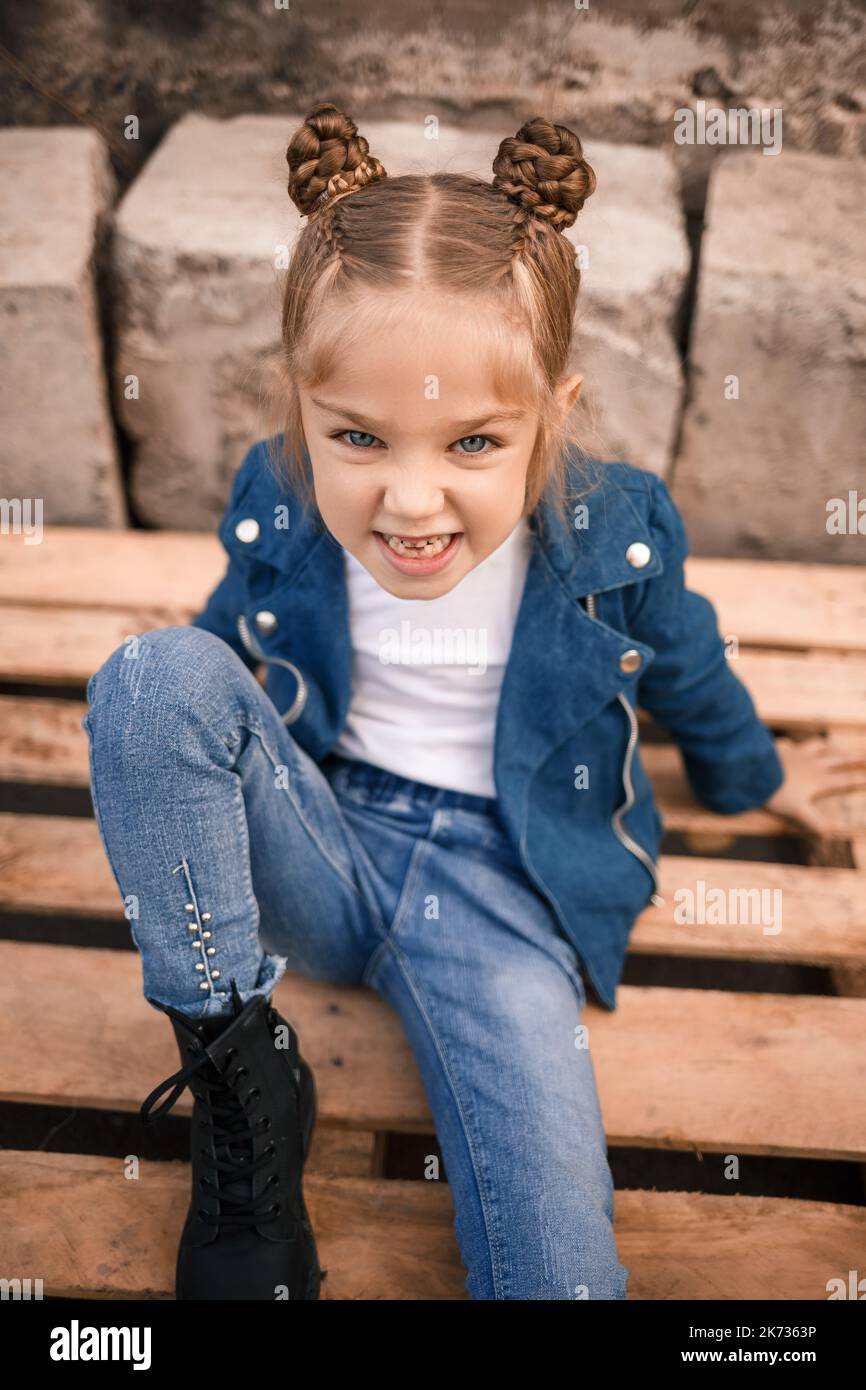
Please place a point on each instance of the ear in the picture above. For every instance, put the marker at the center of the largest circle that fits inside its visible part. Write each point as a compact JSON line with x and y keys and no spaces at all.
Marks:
{"x":568,"y":391}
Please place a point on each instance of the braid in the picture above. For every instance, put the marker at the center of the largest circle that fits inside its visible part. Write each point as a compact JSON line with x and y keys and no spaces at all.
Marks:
{"x":328,"y":159}
{"x":329,"y":234}
{"x":528,"y":230}
{"x":543,"y":171}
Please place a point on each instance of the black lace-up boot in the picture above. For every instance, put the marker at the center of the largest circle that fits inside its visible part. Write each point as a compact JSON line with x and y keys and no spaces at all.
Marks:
{"x":247,"y":1232}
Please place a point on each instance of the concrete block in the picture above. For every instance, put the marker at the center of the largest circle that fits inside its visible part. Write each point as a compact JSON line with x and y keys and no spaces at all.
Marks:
{"x":57,"y":439}
{"x":631,"y":298}
{"x":775,"y":423}
{"x":199,"y":297}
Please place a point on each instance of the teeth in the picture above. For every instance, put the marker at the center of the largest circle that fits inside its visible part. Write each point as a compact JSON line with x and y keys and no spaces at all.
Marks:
{"x":431,"y":547}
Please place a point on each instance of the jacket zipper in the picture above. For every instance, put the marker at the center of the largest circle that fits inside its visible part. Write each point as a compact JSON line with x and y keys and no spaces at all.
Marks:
{"x":621,"y":833}
{"x":255,"y":650}
{"x":616,"y":820}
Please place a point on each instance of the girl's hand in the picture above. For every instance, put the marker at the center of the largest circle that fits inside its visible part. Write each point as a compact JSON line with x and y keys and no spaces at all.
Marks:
{"x":815,"y":768}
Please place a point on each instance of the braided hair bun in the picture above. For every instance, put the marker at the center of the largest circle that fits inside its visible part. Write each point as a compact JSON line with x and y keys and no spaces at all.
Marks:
{"x":543,"y":170}
{"x":327,"y":157}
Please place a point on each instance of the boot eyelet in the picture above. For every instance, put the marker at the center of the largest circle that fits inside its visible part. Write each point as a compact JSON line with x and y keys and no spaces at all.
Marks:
{"x":231,"y":1053}
{"x":254,"y":1092}
{"x":266,"y":1121}
{"x":276,"y":1208}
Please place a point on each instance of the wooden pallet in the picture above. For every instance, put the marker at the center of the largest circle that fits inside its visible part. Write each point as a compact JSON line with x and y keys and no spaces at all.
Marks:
{"x":701,"y":1070}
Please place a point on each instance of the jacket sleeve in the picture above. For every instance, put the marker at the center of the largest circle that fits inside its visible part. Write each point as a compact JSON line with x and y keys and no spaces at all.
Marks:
{"x":230,"y":597}
{"x":690,"y":688}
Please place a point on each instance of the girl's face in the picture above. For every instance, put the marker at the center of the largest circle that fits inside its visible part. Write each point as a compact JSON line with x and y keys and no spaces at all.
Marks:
{"x":408,"y":440}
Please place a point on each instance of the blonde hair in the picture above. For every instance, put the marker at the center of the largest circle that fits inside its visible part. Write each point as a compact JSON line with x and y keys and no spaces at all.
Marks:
{"x":497,"y":243}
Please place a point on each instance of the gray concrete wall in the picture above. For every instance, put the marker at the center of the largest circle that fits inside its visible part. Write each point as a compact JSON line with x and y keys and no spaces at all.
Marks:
{"x":707,"y":265}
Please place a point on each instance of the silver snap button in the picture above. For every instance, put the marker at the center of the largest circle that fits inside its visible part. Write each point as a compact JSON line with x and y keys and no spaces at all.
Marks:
{"x":638,"y":554}
{"x":266,"y":621}
{"x":247,"y":530}
{"x":629,"y":661}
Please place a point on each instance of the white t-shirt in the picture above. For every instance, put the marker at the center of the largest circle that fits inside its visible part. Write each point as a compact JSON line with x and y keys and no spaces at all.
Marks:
{"x":426,"y":673}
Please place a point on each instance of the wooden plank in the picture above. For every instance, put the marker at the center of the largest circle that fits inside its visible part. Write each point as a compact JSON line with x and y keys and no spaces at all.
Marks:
{"x":56,"y":864}
{"x":748,"y":910}
{"x":782,"y":603}
{"x":772,"y":603}
{"x":79,"y":1224}
{"x":42,"y":743}
{"x":682,"y":1245}
{"x":342,"y":1153}
{"x":717,"y":1064}
{"x":64,"y":646}
{"x":53,"y":864}
{"x":676,"y":1068}
{"x":681,"y":810}
{"x":793,"y":690}
{"x":83,"y":567}
{"x":852,"y":980}
{"x":807,"y":692}
{"x":89,"y":1233}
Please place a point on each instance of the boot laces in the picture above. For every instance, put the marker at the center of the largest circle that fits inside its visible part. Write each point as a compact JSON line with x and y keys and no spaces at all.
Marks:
{"x":232,"y":1137}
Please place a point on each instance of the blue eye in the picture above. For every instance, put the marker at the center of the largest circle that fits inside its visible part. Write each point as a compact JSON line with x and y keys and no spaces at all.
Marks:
{"x":476,"y":439}
{"x":470,"y":444}
{"x":358,"y":438}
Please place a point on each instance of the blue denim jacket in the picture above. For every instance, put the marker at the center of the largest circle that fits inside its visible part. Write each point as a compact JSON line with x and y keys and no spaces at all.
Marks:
{"x":605,"y":623}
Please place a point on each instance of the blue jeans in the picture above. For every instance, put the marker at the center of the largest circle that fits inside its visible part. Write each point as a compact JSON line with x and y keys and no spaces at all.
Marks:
{"x":213,"y":817}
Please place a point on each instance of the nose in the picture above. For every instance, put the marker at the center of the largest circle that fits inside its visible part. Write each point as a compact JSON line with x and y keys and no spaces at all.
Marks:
{"x":412,"y":496}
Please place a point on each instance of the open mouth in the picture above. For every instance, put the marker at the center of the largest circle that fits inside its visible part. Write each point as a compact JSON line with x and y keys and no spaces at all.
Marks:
{"x":419,"y":554}
{"x":422,"y":545}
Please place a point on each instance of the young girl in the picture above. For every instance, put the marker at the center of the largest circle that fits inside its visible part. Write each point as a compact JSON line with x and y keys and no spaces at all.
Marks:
{"x":439,"y":793}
